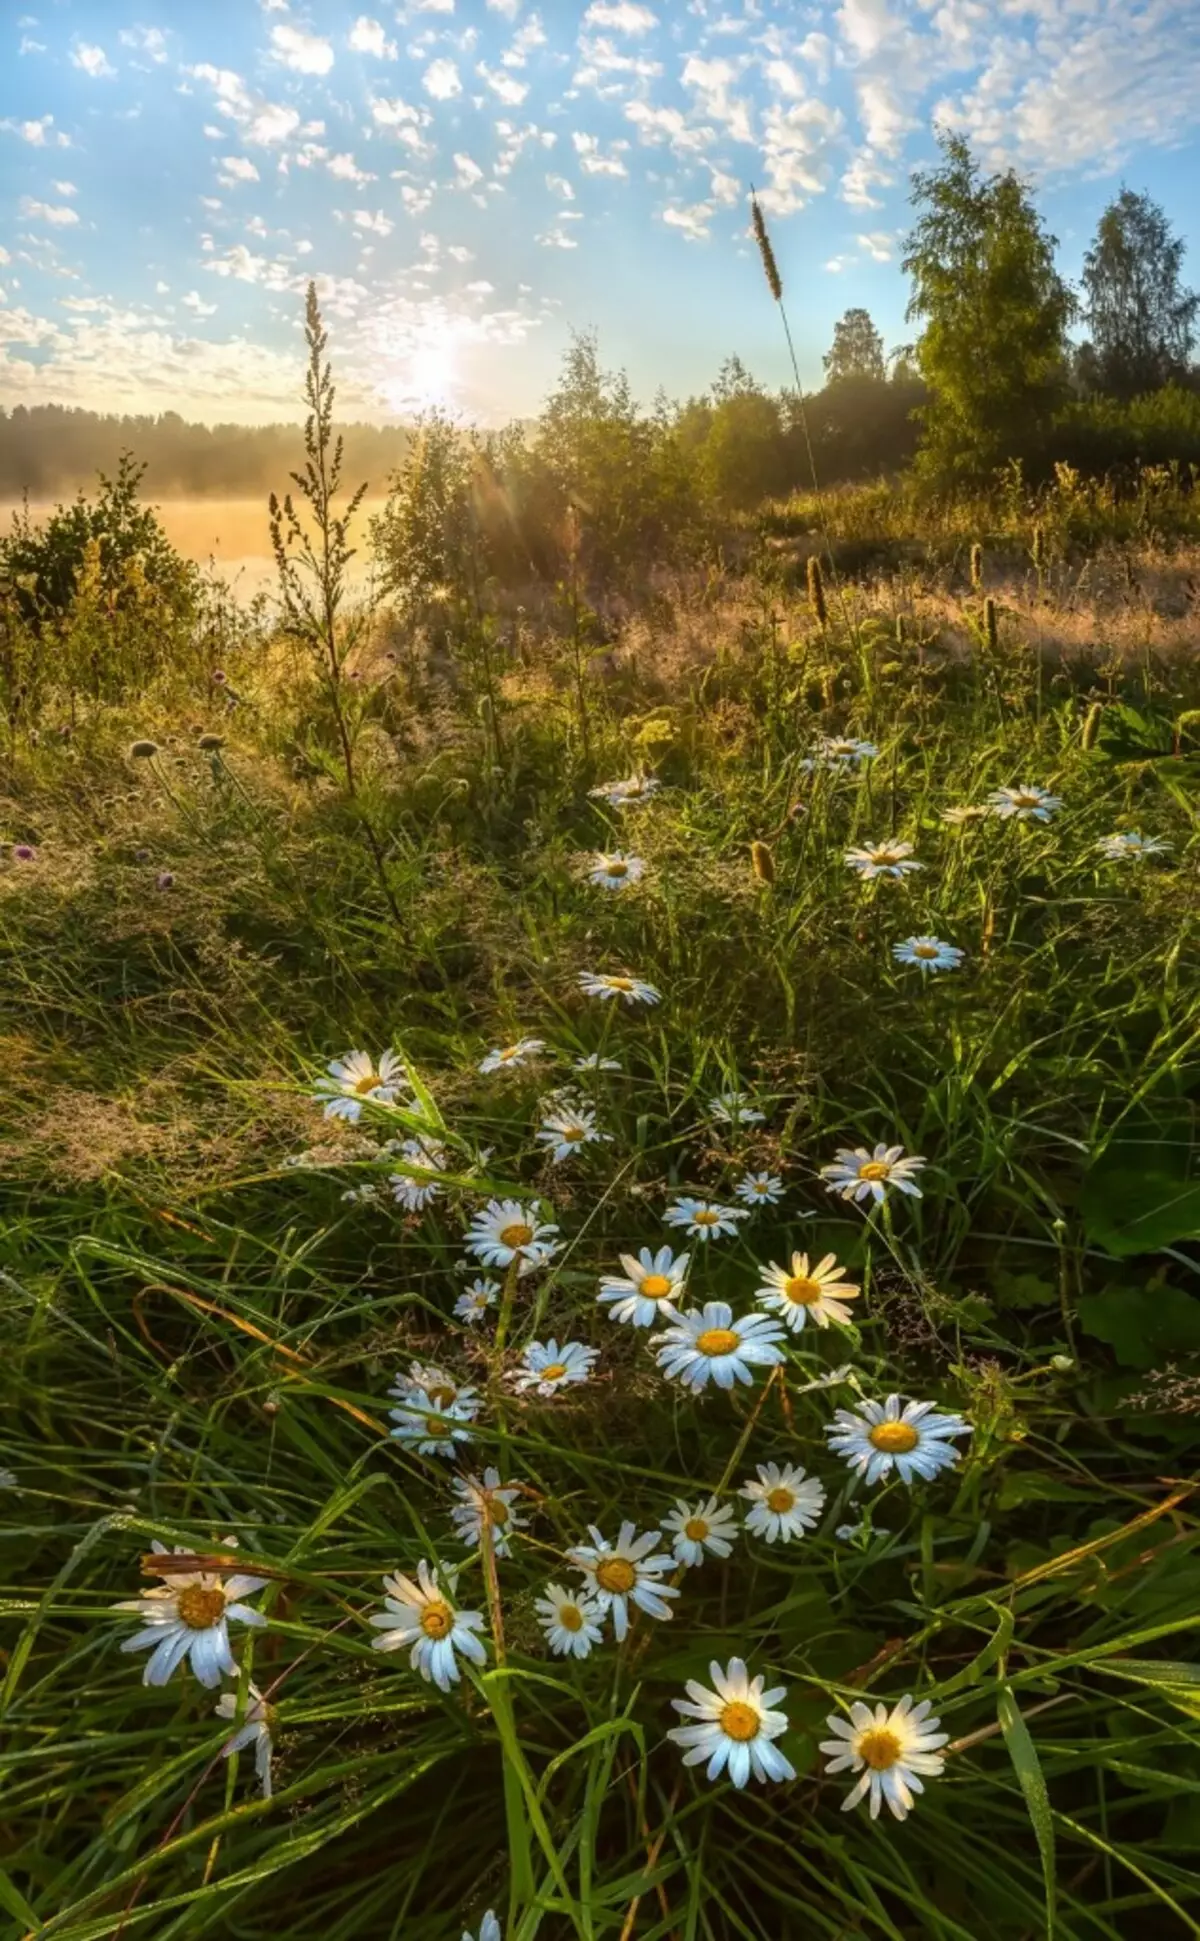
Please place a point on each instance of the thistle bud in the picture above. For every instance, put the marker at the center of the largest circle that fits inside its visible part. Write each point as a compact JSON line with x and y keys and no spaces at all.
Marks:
{"x":762,"y":862}
{"x":770,"y":267}
{"x":816,"y":589}
{"x":977,"y":567}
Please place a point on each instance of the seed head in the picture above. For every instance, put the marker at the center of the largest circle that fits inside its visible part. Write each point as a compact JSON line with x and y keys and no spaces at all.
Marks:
{"x":143,"y":751}
{"x":762,"y":862}
{"x":816,"y":589}
{"x":977,"y":567}
{"x":1091,"y":725}
{"x":991,"y":626}
{"x":211,"y":743}
{"x":770,"y":267}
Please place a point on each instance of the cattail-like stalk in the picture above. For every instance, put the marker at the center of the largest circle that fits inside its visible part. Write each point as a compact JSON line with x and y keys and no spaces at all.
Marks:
{"x":1091,"y":725}
{"x":816,"y":590}
{"x":770,"y":266}
{"x":977,"y":567}
{"x":991,"y":626}
{"x":762,"y":863}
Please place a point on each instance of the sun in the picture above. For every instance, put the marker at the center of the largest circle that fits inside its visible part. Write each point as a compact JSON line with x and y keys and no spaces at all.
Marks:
{"x":426,"y":378}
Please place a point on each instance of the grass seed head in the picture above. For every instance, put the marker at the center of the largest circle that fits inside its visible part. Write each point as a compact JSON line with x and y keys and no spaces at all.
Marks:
{"x":990,"y":624}
{"x":770,"y":267}
{"x":816,"y":589}
{"x":762,"y":862}
{"x":977,"y":567}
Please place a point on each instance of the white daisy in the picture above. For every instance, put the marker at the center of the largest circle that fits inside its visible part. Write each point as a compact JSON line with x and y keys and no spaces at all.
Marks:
{"x":734,"y":1108}
{"x":430,"y":1429}
{"x":424,"y":1616}
{"x":928,"y":954}
{"x":633,"y":990}
{"x":758,"y":1189}
{"x":786,"y":1502}
{"x":547,"y":1366}
{"x":736,"y":1726}
{"x":959,"y":818}
{"x":255,"y":1730}
{"x":1129,"y":845}
{"x":473,"y":1304}
{"x":504,"y":1056}
{"x":882,"y":859}
{"x":489,"y":1929}
{"x":625,"y":1571}
{"x":699,"y":1527}
{"x":1027,"y":803}
{"x":652,"y":1286}
{"x":437,"y":1385}
{"x":914,"y":1439}
{"x":625,"y":794}
{"x":892,"y":1750}
{"x":188,"y":1617}
{"x":571,"y":1622}
{"x":427,"y":1156}
{"x":486,"y":1502}
{"x":704,"y":1219}
{"x":845,"y":751}
{"x":615,"y":871}
{"x":565,"y":1132}
{"x":506,"y":1231}
{"x":803,"y":1293}
{"x":352,"y":1081}
{"x":863,"y":1175}
{"x":594,"y":1063}
{"x":712,"y":1346}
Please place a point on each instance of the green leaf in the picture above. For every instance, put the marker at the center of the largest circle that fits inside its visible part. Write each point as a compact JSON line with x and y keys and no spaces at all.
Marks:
{"x":1152,"y":1671}
{"x":1141,"y":1193}
{"x":1142,"y":1325}
{"x":14,"y":1903}
{"x":1028,"y":1768}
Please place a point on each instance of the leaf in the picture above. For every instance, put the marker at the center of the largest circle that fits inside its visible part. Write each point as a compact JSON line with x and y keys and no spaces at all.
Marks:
{"x":15,"y":1903}
{"x":1141,"y":1193}
{"x":1152,"y":1671}
{"x":1142,"y":1325}
{"x":1028,"y":1768}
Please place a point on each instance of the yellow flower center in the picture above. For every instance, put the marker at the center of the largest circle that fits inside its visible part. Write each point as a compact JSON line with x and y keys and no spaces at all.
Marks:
{"x":1025,"y":799}
{"x":571,"y":1133}
{"x":924,"y":950}
{"x":874,"y":1169}
{"x":616,"y":1574}
{"x":696,"y":1528}
{"x":894,"y":1438}
{"x":739,"y":1721}
{"x":619,"y":983}
{"x":515,"y":1235}
{"x":802,"y":1291}
{"x":437,"y":1619}
{"x":364,"y":1085}
{"x":570,"y":1617}
{"x":497,"y":1509}
{"x":655,"y":1287}
{"x":717,"y":1341}
{"x":615,"y":868}
{"x":553,"y":1371}
{"x":780,"y":1501}
{"x":442,"y":1395}
{"x":703,"y":1217}
{"x":200,"y":1606}
{"x":880,"y":1749}
{"x":508,"y":1052}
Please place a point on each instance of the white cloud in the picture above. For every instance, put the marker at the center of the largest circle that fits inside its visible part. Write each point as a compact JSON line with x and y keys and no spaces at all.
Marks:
{"x":66,"y":188}
{"x":237,"y":168}
{"x":878,"y":245}
{"x":195,"y":302}
{"x":394,"y":113}
{"x":863,"y":175}
{"x":272,"y":123}
{"x":480,"y":289}
{"x":837,"y":264}
{"x":592,"y":161}
{"x":431,"y":6}
{"x":531,"y":35}
{"x":509,"y":8}
{"x":344,"y":168}
{"x":510,"y":90}
{"x":377,"y":223}
{"x":557,"y":239}
{"x":61,"y":214}
{"x":602,"y":60}
{"x":460,"y":253}
{"x":441,"y":80}
{"x":692,"y":222}
{"x":304,"y":53}
{"x":150,"y":41}
{"x":559,"y":185}
{"x":31,"y":46}
{"x":797,"y":143}
{"x":671,"y":126}
{"x":467,"y":172}
{"x":368,"y":36}
{"x":243,"y":266}
{"x":711,"y":81}
{"x":92,"y":60}
{"x":162,"y":289}
{"x":623,"y":15}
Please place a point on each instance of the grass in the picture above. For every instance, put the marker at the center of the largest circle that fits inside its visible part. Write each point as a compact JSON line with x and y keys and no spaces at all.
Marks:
{"x":199,"y":1334}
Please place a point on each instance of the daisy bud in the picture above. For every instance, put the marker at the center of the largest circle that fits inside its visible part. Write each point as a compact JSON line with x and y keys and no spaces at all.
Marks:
{"x":762,"y":862}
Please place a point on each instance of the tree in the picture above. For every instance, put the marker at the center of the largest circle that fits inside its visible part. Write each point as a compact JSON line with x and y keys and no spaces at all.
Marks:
{"x":993,"y":351}
{"x":1142,"y":321}
{"x":856,"y":351}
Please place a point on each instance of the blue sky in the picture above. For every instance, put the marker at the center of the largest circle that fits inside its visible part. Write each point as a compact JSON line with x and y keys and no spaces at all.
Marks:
{"x":468,"y":180}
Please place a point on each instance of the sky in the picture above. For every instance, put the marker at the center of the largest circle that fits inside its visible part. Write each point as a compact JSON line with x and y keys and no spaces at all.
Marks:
{"x":469,"y":181}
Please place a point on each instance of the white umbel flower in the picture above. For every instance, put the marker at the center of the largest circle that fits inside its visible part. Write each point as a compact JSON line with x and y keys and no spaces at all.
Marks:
{"x":571,"y":1621}
{"x":711,"y":1346}
{"x":486,"y":1502}
{"x":188,"y":1618}
{"x":759,"y":1189}
{"x":735,"y":1109}
{"x":696,"y":1528}
{"x":615,"y":871}
{"x":625,"y":1572}
{"x":928,"y":954}
{"x":893,"y":1751}
{"x":547,"y":1367}
{"x":566,"y":1132}
{"x":703,"y":1219}
{"x":474,"y":1302}
{"x":426,"y":1155}
{"x":861,"y":1175}
{"x":653,"y":1285}
{"x":913,"y":1438}
{"x":803,"y":1293}
{"x":785,"y":1501}
{"x":628,"y":793}
{"x":358,"y":1079}
{"x":1130,"y":846}
{"x":735,"y":1726}
{"x":255,"y":1730}
{"x":1026,"y":803}
{"x":631,"y":990}
{"x":424,"y":1616}
{"x":882,"y":859}
{"x":504,"y":1057}
{"x":506,"y":1231}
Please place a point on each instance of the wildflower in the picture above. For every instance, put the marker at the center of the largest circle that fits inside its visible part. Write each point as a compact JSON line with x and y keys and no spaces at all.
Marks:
{"x":758,"y":1189}
{"x":863,"y":1175}
{"x":1129,"y":846}
{"x":255,"y":1730}
{"x":424,"y":1616}
{"x":633,"y":990}
{"x":489,"y":1929}
{"x":547,"y":1366}
{"x":786,"y":1502}
{"x":430,"y":1156}
{"x":23,"y":852}
{"x":1027,"y":803}
{"x":565,"y":1132}
{"x":882,"y":859}
{"x":474,"y":1302}
{"x":734,"y":1108}
{"x":698,"y":1527}
{"x":165,"y":880}
{"x":188,"y":1617}
{"x":506,"y":1231}
{"x":439,"y":1387}
{"x":505,"y":1055}
{"x":625,"y":794}
{"x":704,"y":1219}
{"x":928,"y":954}
{"x":625,"y":1571}
{"x":430,"y":1430}
{"x":594,"y":1063}
{"x":958,"y":818}
{"x":879,"y":1436}
{"x":615,"y":872}
{"x":355,"y":1079}
{"x":846,"y":751}
{"x":736,"y":1726}
{"x":889,"y":1749}
{"x":712,"y":1346}
{"x":806,"y":1293}
{"x":486,"y":1502}
{"x":653,"y":1285}
{"x":572,"y":1624}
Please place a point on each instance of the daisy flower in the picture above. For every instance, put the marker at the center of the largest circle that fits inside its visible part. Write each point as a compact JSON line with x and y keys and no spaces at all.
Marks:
{"x":489,"y":1929}
{"x":430,"y":1430}
{"x":712,"y":1346}
{"x":863,"y":1175}
{"x":893,"y":1751}
{"x":473,"y":1304}
{"x":928,"y":954}
{"x":353,"y":1080}
{"x":625,"y":794}
{"x":429,"y":1156}
{"x":615,"y":871}
{"x":1129,"y":845}
{"x":757,"y":1189}
{"x":959,"y":818}
{"x":506,"y":1231}
{"x":699,"y":1527}
{"x":880,"y":1436}
{"x":653,"y":1285}
{"x":633,"y":990}
{"x":565,"y":1132}
{"x":786,"y":1502}
{"x":503,"y":1056}
{"x":735,"y":1109}
{"x":803,"y":1293}
{"x":623,"y":1572}
{"x":594,"y":1063}
{"x":424,"y":1616}
{"x":438,"y":1387}
{"x":547,"y":1366}
{"x":704,"y":1219}
{"x":486,"y":1502}
{"x":735,"y":1726}
{"x":255,"y":1730}
{"x":1027,"y":803}
{"x":571,"y":1623}
{"x":882,"y":859}
{"x":188,"y":1617}
{"x":845,"y":750}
